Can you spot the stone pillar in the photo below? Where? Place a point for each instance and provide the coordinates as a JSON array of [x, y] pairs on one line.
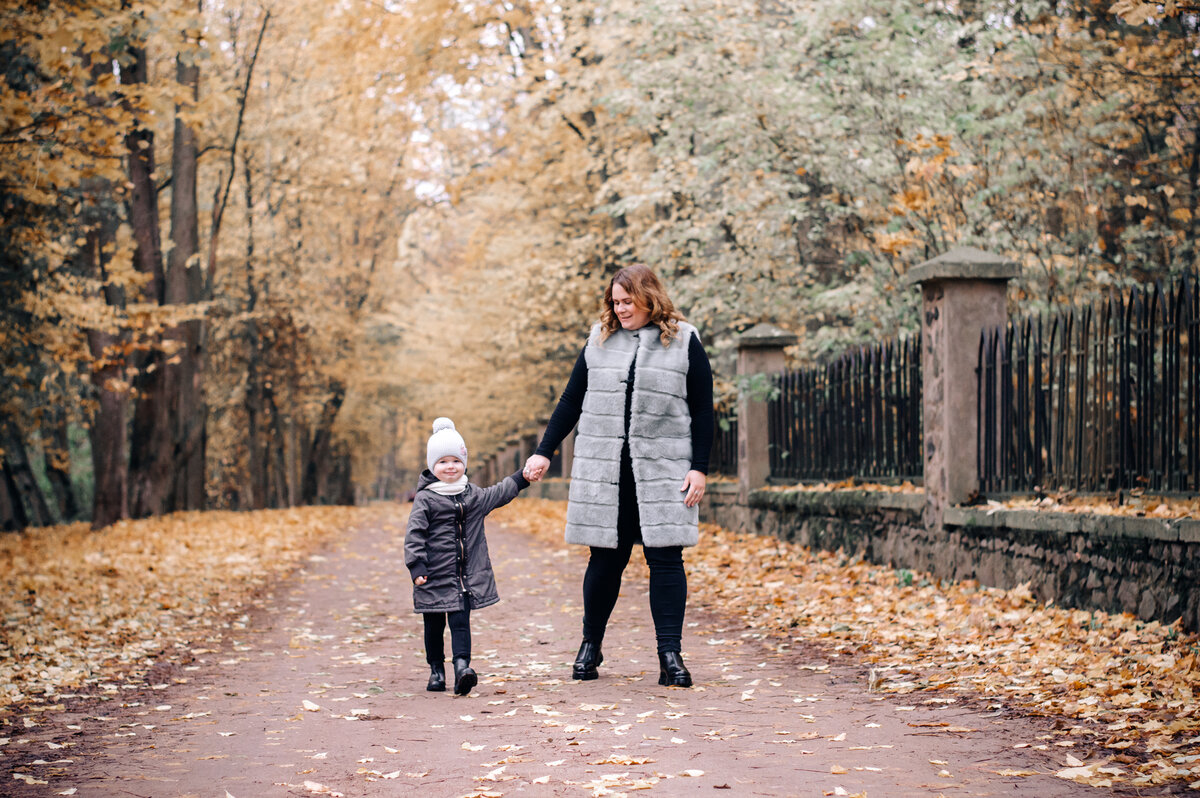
[[508, 459], [526, 446], [962, 293], [760, 352]]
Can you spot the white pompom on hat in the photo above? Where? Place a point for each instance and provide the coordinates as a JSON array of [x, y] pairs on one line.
[[445, 442]]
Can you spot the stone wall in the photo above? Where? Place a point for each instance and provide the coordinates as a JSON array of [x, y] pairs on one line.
[[1147, 567]]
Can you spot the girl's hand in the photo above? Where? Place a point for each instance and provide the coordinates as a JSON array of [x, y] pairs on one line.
[[420, 580], [694, 484]]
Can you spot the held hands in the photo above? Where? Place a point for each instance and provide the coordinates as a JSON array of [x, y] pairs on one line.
[[694, 483], [535, 467]]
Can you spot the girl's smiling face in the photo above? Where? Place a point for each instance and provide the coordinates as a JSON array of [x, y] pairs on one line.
[[631, 316], [449, 468]]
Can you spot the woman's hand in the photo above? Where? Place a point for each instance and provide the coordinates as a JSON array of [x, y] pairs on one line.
[[420, 580], [694, 484], [535, 467]]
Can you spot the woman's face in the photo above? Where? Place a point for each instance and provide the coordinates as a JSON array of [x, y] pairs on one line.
[[631, 315]]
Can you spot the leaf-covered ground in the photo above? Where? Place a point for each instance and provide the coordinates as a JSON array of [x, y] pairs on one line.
[[1122, 690], [84, 609]]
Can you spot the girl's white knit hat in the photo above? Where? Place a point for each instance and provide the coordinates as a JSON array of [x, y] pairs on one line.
[[445, 441]]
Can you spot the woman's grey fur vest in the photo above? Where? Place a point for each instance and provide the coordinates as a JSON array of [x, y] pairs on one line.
[[660, 439]]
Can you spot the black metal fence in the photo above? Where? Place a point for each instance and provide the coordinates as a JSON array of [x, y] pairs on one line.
[[858, 416], [1100, 399], [723, 459]]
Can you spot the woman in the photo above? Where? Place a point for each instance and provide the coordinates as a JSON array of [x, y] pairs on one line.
[[641, 393]]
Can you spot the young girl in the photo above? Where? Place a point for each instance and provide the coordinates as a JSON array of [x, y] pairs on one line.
[[446, 552]]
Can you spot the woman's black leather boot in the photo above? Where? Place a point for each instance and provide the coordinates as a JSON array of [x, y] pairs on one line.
[[671, 670], [437, 678], [586, 661], [464, 678]]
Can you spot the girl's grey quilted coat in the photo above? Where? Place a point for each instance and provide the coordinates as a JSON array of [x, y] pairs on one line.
[[445, 543]]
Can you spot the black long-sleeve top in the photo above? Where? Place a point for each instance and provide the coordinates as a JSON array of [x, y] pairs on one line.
[[699, 401]]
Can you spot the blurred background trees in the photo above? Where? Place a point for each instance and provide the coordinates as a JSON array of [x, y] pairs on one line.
[[249, 250]]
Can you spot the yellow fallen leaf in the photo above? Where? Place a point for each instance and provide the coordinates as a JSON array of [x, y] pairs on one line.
[[623, 760], [838, 770], [310, 706]]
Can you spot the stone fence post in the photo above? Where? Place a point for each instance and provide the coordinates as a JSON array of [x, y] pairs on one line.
[[963, 292], [760, 351]]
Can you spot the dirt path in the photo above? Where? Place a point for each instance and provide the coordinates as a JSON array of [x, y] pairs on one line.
[[321, 691]]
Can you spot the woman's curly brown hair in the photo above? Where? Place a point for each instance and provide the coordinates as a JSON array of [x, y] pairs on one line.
[[647, 292]]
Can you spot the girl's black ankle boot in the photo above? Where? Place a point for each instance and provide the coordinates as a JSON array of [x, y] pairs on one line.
[[464, 678], [671, 670], [437, 678], [586, 661]]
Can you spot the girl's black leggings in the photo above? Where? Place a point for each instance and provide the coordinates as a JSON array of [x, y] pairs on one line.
[[602, 580], [460, 635]]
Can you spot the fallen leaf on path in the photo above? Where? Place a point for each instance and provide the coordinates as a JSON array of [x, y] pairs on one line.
[[623, 760]]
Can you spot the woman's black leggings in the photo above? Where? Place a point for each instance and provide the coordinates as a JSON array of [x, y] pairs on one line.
[[602, 580], [460, 635]]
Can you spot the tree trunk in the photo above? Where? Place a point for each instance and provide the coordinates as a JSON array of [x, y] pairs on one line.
[[281, 492], [99, 223], [110, 502], [12, 513], [110, 492], [340, 487], [185, 378], [151, 477], [19, 474], [256, 436], [56, 454], [319, 462]]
